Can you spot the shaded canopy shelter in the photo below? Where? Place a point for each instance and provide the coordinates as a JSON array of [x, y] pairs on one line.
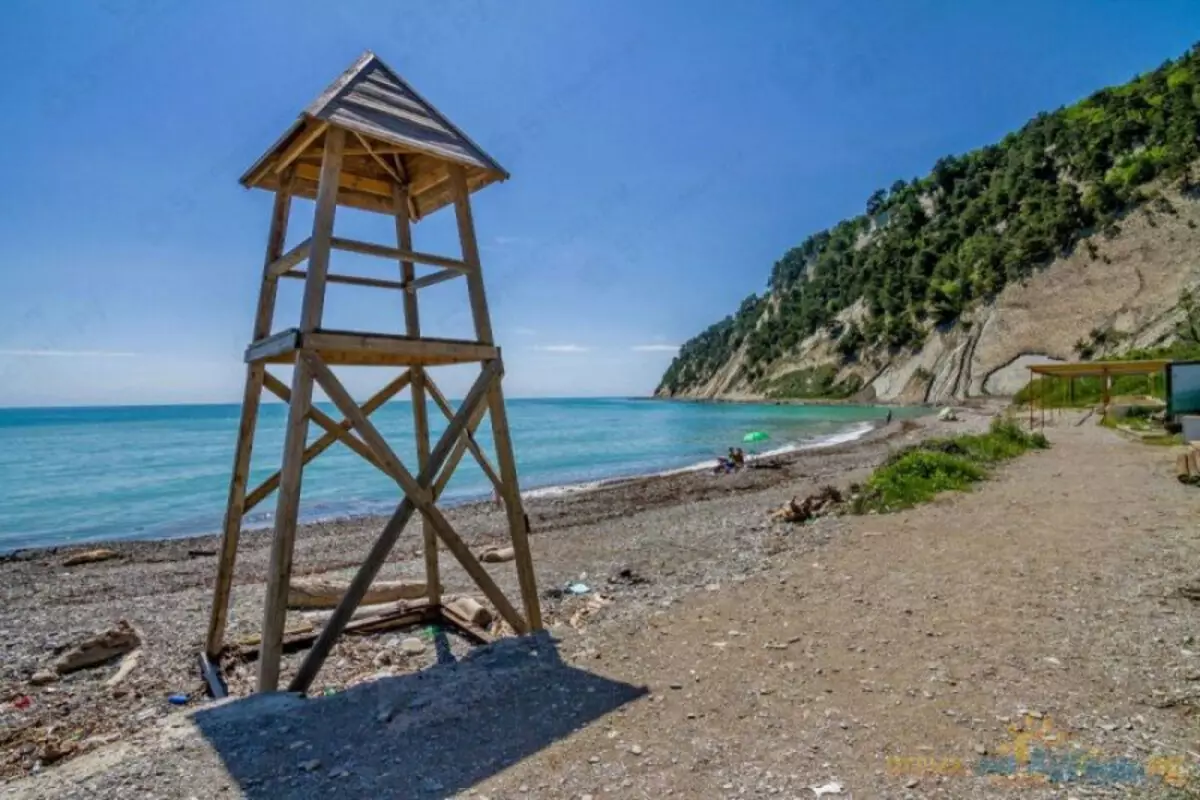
[[1104, 370]]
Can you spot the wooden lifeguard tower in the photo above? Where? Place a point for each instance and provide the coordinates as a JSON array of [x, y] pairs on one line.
[[370, 142]]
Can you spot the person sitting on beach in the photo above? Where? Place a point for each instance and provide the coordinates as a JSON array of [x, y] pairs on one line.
[[739, 458], [724, 466]]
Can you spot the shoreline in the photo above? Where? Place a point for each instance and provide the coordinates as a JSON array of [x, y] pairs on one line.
[[475, 501], [645, 541], [550, 502], [859, 633]]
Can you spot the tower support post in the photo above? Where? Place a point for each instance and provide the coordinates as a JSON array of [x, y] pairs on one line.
[[296, 434], [235, 506], [517, 524]]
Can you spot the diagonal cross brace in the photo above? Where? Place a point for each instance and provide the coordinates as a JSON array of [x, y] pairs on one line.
[[417, 497], [467, 437], [460, 450], [264, 489], [347, 437]]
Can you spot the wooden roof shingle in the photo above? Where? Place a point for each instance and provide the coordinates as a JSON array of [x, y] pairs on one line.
[[397, 132]]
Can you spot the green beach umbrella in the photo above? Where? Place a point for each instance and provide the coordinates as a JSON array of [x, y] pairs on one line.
[[755, 436]]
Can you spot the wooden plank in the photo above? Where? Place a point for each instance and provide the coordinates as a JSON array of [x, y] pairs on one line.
[[470, 253], [235, 506], [517, 521], [391, 532], [460, 450], [273, 346], [290, 259], [399, 254], [322, 444], [283, 541], [347, 197], [468, 436], [315, 591], [380, 149], [370, 151], [354, 183], [435, 278], [301, 143], [351, 280], [302, 639], [296, 434], [210, 670], [510, 489], [322, 232], [412, 327], [436, 350], [378, 445], [280, 390], [409, 204], [465, 626]]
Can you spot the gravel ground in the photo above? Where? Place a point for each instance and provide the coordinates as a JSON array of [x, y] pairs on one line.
[[735, 658], [164, 589]]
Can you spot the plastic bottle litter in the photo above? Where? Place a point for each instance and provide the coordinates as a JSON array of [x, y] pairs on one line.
[[23, 702], [577, 588], [178, 699]]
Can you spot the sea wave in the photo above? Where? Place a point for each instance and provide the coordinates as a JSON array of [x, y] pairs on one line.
[[850, 434]]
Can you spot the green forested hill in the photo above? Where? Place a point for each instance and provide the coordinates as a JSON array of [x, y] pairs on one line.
[[923, 251]]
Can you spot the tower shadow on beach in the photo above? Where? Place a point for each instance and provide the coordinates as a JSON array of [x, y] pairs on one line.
[[428, 734]]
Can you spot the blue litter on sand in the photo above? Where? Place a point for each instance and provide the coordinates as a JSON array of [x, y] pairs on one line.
[[178, 699]]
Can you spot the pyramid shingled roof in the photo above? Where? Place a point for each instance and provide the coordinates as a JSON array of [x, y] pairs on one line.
[[371, 100]]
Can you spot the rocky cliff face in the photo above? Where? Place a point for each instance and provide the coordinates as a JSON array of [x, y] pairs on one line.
[[1113, 293]]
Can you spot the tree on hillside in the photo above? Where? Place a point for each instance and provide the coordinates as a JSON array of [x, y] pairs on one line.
[[875, 202], [977, 222], [1188, 329]]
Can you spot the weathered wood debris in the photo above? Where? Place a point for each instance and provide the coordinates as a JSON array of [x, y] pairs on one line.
[[98, 649], [822, 502]]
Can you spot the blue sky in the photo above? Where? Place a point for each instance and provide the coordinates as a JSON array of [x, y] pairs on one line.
[[663, 155]]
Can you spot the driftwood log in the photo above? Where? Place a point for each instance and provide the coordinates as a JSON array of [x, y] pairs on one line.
[[497, 555], [326, 593], [471, 610], [1187, 466], [90, 557], [362, 612], [100, 648], [823, 502], [128, 664]]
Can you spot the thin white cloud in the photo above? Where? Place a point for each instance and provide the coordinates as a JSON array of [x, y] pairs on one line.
[[562, 348], [655, 348], [66, 354]]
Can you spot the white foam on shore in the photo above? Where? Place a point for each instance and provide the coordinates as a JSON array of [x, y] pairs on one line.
[[857, 431]]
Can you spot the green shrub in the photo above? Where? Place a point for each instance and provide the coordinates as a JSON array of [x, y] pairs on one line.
[[813, 383], [916, 474]]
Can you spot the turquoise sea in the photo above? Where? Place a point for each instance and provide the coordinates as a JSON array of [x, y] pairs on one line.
[[82, 474]]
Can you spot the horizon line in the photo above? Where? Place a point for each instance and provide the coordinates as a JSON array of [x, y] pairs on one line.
[[277, 402]]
